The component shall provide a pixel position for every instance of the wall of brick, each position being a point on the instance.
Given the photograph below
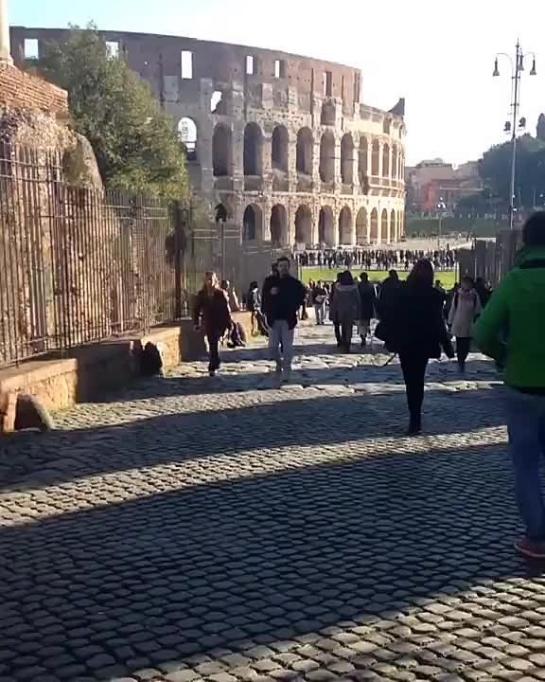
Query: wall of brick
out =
(20, 90)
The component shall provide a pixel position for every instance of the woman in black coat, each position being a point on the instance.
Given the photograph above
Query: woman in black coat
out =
(417, 332)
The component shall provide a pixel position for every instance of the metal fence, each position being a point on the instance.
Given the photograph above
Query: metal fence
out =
(491, 259)
(79, 265)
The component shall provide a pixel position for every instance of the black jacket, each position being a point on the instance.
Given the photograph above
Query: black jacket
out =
(214, 311)
(368, 298)
(416, 325)
(284, 304)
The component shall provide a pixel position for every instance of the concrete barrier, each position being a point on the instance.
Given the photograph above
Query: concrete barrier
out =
(91, 371)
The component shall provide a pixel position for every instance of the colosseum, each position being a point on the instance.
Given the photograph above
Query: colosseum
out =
(279, 145)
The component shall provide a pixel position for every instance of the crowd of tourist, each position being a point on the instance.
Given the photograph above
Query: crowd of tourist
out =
(376, 259)
(417, 321)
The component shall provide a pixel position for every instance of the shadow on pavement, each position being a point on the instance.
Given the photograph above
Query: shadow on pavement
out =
(233, 565)
(318, 420)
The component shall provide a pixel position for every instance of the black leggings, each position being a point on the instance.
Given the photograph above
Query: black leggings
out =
(463, 346)
(213, 350)
(343, 333)
(414, 372)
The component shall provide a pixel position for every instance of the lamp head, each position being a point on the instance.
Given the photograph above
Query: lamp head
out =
(496, 69)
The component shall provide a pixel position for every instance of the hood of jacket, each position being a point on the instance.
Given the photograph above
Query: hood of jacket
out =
(340, 288)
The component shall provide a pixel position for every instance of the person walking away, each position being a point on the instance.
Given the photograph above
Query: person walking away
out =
(346, 308)
(511, 330)
(417, 332)
(212, 314)
(319, 299)
(232, 297)
(282, 297)
(388, 294)
(254, 306)
(464, 310)
(367, 306)
(332, 318)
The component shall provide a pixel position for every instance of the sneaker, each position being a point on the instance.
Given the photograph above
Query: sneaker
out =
(530, 548)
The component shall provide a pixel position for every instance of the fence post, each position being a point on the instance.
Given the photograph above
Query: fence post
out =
(179, 248)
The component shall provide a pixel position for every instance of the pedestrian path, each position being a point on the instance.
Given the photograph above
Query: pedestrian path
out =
(223, 529)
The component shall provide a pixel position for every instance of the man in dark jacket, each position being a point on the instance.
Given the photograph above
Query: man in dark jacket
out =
(367, 299)
(388, 294)
(511, 330)
(211, 312)
(282, 297)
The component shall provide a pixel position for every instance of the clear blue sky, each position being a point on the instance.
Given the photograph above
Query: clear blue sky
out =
(438, 55)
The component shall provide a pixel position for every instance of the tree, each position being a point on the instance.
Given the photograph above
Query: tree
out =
(135, 142)
(495, 170)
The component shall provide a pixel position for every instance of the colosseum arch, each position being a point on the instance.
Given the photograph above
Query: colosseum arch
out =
(220, 213)
(222, 151)
(393, 227)
(187, 131)
(386, 161)
(279, 225)
(384, 226)
(252, 223)
(253, 150)
(345, 226)
(361, 226)
(279, 149)
(374, 226)
(326, 226)
(303, 225)
(304, 151)
(363, 154)
(327, 157)
(375, 158)
(347, 159)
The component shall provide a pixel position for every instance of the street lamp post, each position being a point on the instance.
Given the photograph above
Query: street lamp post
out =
(441, 207)
(517, 67)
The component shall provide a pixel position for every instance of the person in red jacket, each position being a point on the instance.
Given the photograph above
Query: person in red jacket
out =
(211, 313)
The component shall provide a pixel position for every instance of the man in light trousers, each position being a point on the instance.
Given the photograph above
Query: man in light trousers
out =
(282, 297)
(511, 330)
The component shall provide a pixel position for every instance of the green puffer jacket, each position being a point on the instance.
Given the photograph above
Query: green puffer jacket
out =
(511, 328)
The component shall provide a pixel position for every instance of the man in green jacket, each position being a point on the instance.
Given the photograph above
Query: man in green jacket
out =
(511, 330)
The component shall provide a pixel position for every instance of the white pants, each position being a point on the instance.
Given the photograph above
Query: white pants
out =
(281, 335)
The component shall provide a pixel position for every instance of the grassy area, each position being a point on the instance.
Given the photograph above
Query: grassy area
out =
(425, 227)
(447, 277)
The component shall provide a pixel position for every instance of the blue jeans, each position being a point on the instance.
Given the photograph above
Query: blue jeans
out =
(526, 425)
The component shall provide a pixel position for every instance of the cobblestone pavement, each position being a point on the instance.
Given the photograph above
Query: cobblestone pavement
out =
(221, 530)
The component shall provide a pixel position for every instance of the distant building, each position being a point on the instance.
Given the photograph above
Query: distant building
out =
(435, 182)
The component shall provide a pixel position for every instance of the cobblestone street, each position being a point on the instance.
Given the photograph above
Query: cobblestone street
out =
(222, 530)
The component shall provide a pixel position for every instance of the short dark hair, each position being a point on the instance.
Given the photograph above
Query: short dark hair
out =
(393, 273)
(283, 258)
(533, 232)
(346, 278)
(421, 274)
